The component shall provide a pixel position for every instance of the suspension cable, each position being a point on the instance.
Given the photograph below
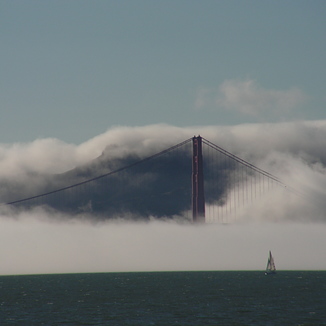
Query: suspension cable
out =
(101, 176)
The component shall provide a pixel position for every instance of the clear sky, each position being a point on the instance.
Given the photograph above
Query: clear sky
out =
(72, 69)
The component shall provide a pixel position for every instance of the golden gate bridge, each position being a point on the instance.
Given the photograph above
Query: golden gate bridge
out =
(195, 179)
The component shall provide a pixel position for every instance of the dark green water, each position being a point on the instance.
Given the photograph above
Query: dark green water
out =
(167, 298)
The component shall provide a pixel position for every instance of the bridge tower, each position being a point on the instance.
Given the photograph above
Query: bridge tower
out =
(198, 196)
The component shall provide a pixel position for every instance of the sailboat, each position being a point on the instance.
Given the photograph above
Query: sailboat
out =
(270, 268)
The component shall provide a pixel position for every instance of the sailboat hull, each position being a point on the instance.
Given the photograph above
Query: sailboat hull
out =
(270, 272)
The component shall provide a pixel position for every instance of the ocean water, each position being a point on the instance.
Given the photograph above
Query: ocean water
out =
(165, 298)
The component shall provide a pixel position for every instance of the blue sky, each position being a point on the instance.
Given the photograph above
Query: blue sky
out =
(72, 69)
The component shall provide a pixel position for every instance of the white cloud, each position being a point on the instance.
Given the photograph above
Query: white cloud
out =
(248, 98)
